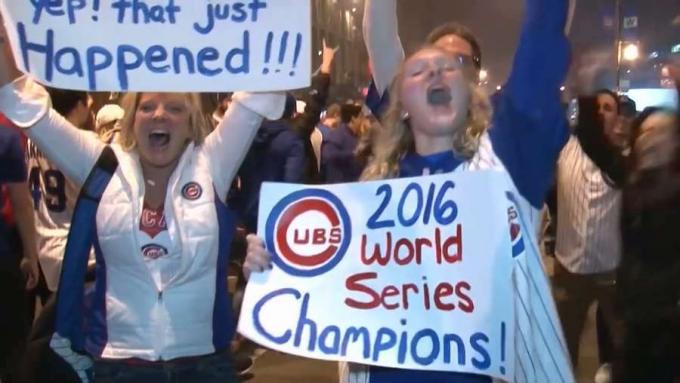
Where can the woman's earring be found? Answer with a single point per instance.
(405, 116)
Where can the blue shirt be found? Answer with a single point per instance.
(12, 170)
(414, 165)
(13, 167)
(325, 130)
(338, 162)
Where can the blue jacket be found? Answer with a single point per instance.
(338, 162)
(277, 155)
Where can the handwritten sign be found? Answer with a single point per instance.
(409, 273)
(162, 45)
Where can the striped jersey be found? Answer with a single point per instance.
(54, 197)
(540, 351)
(588, 214)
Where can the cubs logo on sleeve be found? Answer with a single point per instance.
(515, 227)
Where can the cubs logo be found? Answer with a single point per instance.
(192, 191)
(515, 227)
(308, 232)
(153, 251)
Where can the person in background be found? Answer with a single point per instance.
(223, 102)
(590, 173)
(280, 150)
(18, 271)
(627, 114)
(369, 131)
(605, 335)
(315, 102)
(331, 119)
(107, 122)
(338, 161)
(277, 155)
(329, 122)
(649, 274)
(54, 195)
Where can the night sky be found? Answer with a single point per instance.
(497, 25)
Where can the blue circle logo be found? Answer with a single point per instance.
(308, 232)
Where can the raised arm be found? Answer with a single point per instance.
(28, 106)
(305, 122)
(228, 145)
(381, 34)
(542, 58)
(529, 123)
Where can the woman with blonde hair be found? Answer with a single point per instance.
(440, 122)
(160, 310)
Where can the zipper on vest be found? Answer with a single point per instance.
(159, 330)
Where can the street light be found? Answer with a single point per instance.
(628, 53)
(631, 52)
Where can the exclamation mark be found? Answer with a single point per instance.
(296, 56)
(502, 348)
(95, 10)
(284, 47)
(268, 52)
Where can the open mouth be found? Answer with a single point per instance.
(439, 95)
(159, 139)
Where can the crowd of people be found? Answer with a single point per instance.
(124, 224)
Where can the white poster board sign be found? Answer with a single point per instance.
(162, 45)
(409, 273)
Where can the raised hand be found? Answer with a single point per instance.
(328, 55)
(8, 69)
